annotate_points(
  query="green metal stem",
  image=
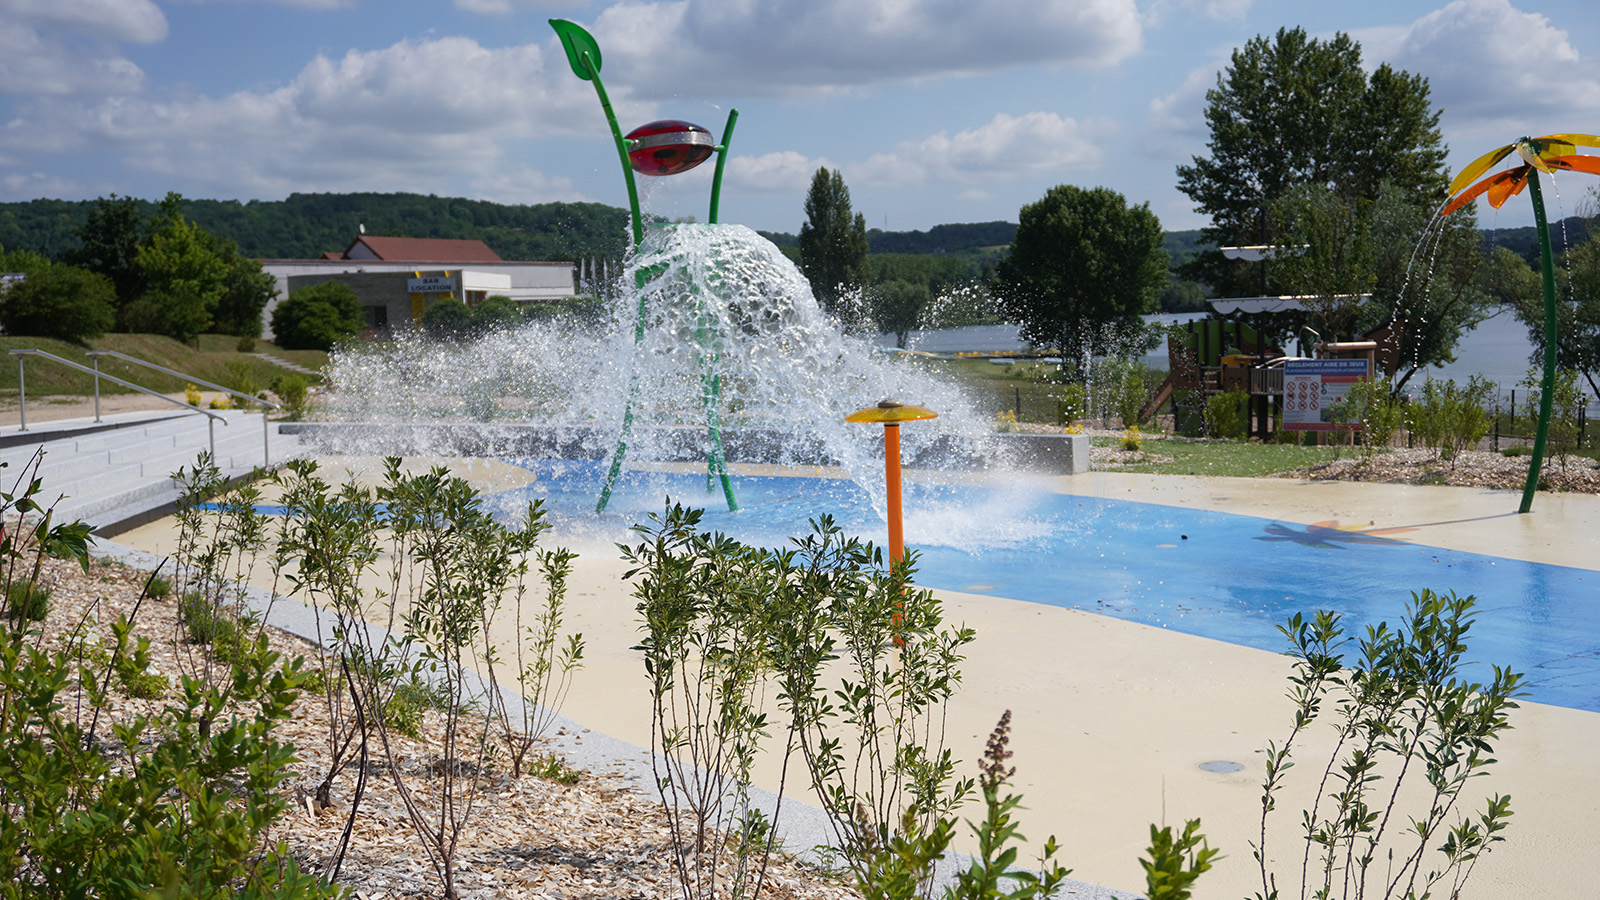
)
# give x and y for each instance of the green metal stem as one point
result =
(711, 401)
(640, 279)
(622, 149)
(722, 159)
(1547, 385)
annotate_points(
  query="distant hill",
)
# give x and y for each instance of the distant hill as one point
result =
(304, 226)
(1524, 241)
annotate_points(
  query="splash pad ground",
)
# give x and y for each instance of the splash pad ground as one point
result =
(1113, 718)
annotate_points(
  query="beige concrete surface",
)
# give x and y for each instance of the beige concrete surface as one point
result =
(1112, 719)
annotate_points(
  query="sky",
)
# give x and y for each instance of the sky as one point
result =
(935, 111)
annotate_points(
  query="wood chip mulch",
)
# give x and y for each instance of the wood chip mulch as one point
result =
(1471, 468)
(528, 837)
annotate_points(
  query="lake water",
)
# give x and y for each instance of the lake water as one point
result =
(1498, 349)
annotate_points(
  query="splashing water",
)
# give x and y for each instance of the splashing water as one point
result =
(719, 302)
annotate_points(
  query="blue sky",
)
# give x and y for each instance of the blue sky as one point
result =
(935, 110)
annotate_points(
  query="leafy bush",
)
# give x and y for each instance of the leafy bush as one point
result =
(27, 601)
(173, 804)
(1072, 403)
(1380, 414)
(496, 314)
(292, 389)
(59, 301)
(317, 317)
(1449, 418)
(447, 320)
(1568, 400)
(1119, 389)
(1225, 414)
(1401, 711)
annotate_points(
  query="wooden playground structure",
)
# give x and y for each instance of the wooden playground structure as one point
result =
(1215, 356)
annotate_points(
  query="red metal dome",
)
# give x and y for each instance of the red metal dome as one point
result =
(668, 147)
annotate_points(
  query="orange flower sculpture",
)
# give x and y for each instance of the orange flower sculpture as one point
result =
(1546, 154)
(1541, 154)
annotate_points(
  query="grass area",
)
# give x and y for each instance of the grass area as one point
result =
(1030, 384)
(209, 361)
(1228, 458)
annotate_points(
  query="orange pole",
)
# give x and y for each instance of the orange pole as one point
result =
(891, 477)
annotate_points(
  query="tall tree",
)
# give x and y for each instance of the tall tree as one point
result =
(110, 245)
(184, 277)
(1292, 111)
(833, 247)
(1082, 269)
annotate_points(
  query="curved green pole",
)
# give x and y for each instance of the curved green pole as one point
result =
(1547, 385)
(583, 54)
(722, 159)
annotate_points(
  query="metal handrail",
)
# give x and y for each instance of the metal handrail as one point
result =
(266, 451)
(22, 393)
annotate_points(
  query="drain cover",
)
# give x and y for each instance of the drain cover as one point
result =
(1222, 766)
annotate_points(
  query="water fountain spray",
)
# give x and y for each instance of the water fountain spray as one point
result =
(1541, 154)
(666, 147)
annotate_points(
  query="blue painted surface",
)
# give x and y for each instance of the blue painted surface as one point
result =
(1217, 575)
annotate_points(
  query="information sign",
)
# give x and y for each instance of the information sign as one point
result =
(1312, 387)
(431, 284)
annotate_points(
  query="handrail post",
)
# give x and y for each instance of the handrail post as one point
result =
(266, 447)
(96, 390)
(22, 390)
(211, 428)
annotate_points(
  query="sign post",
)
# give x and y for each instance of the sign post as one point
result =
(1313, 387)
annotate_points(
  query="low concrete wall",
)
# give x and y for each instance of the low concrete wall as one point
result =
(1054, 454)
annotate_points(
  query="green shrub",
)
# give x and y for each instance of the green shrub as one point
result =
(205, 622)
(1448, 418)
(447, 320)
(27, 601)
(1072, 403)
(1225, 414)
(158, 588)
(247, 344)
(292, 389)
(59, 301)
(317, 317)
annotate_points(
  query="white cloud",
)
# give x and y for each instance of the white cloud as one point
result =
(507, 7)
(785, 170)
(796, 46)
(36, 64)
(61, 48)
(1006, 147)
(139, 21)
(1497, 72)
(407, 117)
(525, 185)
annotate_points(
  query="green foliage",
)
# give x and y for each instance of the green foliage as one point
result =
(897, 306)
(59, 301)
(443, 566)
(292, 391)
(317, 317)
(158, 588)
(1225, 415)
(1380, 413)
(27, 601)
(184, 274)
(108, 243)
(1448, 418)
(447, 320)
(1400, 712)
(1084, 266)
(1567, 401)
(178, 803)
(496, 314)
(1118, 389)
(1073, 403)
(1175, 862)
(991, 874)
(1327, 122)
(833, 246)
